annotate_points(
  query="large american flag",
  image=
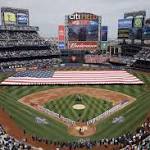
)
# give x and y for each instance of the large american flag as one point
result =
(77, 77)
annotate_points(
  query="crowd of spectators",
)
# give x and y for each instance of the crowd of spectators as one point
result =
(29, 47)
(10, 143)
(121, 59)
(144, 54)
(20, 38)
(29, 63)
(28, 53)
(95, 59)
(140, 140)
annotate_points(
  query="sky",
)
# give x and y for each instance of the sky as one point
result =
(48, 14)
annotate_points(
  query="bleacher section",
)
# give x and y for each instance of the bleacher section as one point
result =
(130, 49)
(144, 54)
(10, 143)
(22, 47)
(20, 38)
(96, 59)
(142, 59)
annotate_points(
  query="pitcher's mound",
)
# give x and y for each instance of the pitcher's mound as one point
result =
(78, 106)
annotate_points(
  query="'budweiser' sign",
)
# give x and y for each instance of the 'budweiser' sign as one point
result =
(82, 45)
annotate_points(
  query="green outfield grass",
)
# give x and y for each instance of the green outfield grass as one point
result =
(93, 107)
(133, 114)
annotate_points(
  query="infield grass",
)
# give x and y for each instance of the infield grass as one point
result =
(93, 107)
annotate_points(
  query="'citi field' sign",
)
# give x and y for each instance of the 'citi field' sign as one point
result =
(82, 16)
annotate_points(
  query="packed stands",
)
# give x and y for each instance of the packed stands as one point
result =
(120, 60)
(20, 38)
(26, 53)
(95, 59)
(10, 143)
(23, 46)
(141, 64)
(142, 59)
(40, 63)
(140, 139)
(144, 54)
(73, 77)
(130, 49)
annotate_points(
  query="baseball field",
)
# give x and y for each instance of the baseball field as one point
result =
(25, 117)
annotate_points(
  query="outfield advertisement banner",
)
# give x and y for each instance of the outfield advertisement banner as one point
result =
(22, 19)
(124, 33)
(104, 33)
(82, 16)
(136, 33)
(61, 45)
(14, 16)
(146, 32)
(61, 33)
(90, 45)
(104, 45)
(9, 18)
(147, 22)
(125, 23)
(138, 22)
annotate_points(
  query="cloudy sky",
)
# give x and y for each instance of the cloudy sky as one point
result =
(48, 14)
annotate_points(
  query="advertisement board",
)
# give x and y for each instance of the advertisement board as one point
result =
(136, 33)
(91, 45)
(22, 19)
(125, 23)
(61, 33)
(104, 45)
(104, 33)
(146, 32)
(124, 33)
(138, 22)
(82, 16)
(14, 16)
(61, 45)
(147, 21)
(9, 18)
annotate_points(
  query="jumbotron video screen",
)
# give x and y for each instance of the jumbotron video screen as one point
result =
(86, 32)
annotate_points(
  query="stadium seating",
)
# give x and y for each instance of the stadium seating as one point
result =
(95, 59)
(144, 54)
(20, 38)
(142, 59)
(10, 143)
(24, 47)
(26, 53)
(29, 63)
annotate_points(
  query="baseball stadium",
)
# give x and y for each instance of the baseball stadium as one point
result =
(80, 92)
